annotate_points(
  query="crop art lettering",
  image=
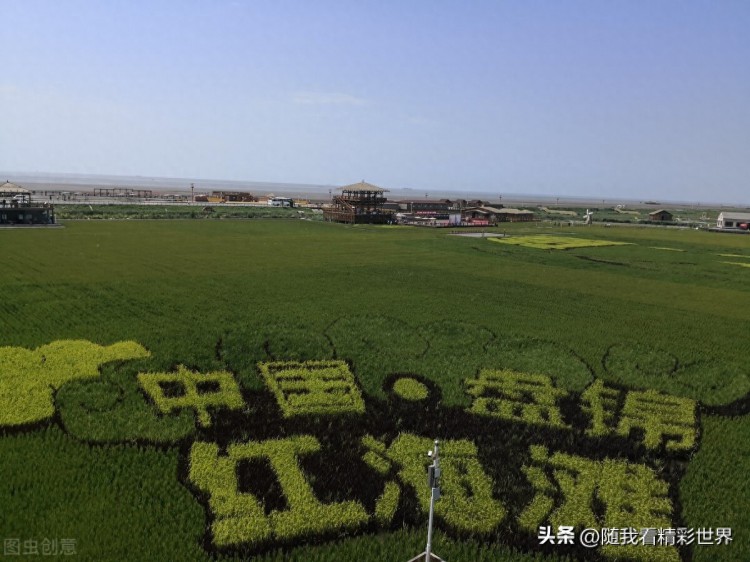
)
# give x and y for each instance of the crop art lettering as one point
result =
(188, 390)
(567, 487)
(240, 518)
(302, 454)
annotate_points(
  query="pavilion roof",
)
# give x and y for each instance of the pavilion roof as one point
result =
(9, 187)
(363, 186)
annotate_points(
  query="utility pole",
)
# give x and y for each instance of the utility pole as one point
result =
(192, 193)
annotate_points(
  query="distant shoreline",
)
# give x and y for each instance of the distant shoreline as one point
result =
(322, 193)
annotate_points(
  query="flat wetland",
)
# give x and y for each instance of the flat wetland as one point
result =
(665, 310)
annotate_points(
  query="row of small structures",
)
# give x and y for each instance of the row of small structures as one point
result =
(359, 203)
(364, 203)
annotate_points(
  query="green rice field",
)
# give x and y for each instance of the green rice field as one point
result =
(268, 390)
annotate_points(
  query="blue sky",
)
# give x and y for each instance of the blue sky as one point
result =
(636, 99)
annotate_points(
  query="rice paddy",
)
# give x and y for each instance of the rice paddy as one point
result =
(267, 390)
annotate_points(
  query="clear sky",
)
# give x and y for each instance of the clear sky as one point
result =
(610, 98)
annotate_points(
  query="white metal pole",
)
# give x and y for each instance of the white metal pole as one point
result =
(433, 493)
(428, 550)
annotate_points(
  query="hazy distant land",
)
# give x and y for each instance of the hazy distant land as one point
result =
(317, 192)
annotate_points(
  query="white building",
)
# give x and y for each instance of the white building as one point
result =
(281, 202)
(733, 220)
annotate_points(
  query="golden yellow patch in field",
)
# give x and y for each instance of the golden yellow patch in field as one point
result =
(741, 264)
(547, 242)
(665, 248)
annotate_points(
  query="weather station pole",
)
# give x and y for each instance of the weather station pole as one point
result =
(433, 481)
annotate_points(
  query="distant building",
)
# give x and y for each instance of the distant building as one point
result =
(424, 206)
(281, 202)
(515, 215)
(660, 215)
(732, 220)
(16, 207)
(359, 203)
(175, 197)
(442, 220)
(460, 204)
(456, 204)
(235, 196)
(479, 216)
(484, 215)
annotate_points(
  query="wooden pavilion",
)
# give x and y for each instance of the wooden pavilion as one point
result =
(16, 207)
(359, 203)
